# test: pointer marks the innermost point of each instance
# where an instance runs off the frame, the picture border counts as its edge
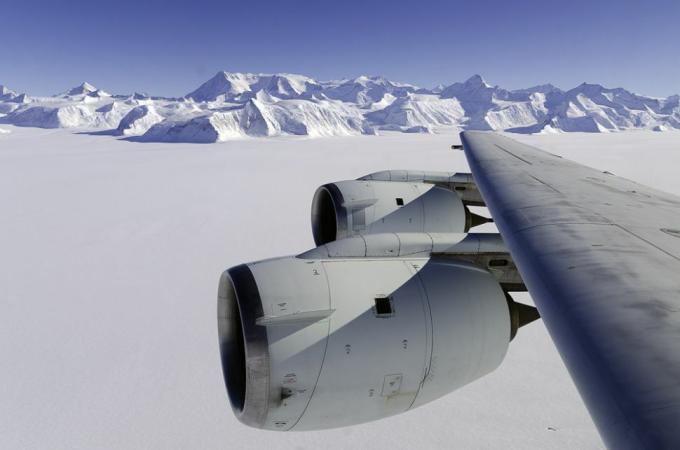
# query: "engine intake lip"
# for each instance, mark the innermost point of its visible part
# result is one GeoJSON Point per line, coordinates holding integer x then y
{"type": "Point", "coordinates": [329, 216]}
{"type": "Point", "coordinates": [243, 345]}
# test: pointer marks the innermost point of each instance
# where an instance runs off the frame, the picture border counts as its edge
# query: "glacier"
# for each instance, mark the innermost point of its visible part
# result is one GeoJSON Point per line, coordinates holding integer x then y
{"type": "Point", "coordinates": [243, 105]}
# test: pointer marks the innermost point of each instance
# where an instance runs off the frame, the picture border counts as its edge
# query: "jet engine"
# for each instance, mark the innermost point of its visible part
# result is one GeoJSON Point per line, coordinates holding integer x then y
{"type": "Point", "coordinates": [314, 342]}
{"type": "Point", "coordinates": [395, 307]}
{"type": "Point", "coordinates": [352, 207]}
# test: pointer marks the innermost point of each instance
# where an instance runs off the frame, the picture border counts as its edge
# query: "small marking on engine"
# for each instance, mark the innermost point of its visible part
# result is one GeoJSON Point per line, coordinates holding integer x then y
{"type": "Point", "coordinates": [290, 378]}
{"type": "Point", "coordinates": [391, 384]}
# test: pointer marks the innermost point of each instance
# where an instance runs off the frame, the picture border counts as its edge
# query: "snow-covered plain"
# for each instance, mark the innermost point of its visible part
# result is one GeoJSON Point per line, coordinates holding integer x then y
{"type": "Point", "coordinates": [111, 252]}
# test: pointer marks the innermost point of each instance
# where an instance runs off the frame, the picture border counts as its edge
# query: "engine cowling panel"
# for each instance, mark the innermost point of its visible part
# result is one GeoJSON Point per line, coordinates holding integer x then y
{"type": "Point", "coordinates": [321, 343]}
{"type": "Point", "coordinates": [352, 207]}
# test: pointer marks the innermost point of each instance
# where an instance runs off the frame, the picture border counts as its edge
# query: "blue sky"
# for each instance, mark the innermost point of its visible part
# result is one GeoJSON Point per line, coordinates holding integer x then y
{"type": "Point", "coordinates": [169, 47]}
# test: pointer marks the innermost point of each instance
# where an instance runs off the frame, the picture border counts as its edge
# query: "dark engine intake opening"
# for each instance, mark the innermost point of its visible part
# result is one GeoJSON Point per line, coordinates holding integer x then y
{"type": "Point", "coordinates": [232, 349]}
{"type": "Point", "coordinates": [324, 221]}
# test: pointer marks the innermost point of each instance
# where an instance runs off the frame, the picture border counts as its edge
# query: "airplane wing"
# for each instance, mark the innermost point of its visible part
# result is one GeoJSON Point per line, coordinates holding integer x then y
{"type": "Point", "coordinates": [600, 256]}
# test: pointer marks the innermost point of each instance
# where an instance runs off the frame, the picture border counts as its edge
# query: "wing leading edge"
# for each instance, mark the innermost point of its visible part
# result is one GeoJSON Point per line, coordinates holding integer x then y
{"type": "Point", "coordinates": [601, 258]}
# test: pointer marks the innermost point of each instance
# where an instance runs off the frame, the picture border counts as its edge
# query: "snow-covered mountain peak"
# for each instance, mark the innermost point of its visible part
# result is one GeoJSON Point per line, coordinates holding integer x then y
{"type": "Point", "coordinates": [616, 98]}
{"type": "Point", "coordinates": [235, 86]}
{"type": "Point", "coordinates": [593, 89]}
{"type": "Point", "coordinates": [232, 105]}
{"type": "Point", "coordinates": [589, 89]}
{"type": "Point", "coordinates": [474, 88]}
{"type": "Point", "coordinates": [476, 81]}
{"type": "Point", "coordinates": [20, 99]}
{"type": "Point", "coordinates": [4, 90]}
{"type": "Point", "coordinates": [368, 80]}
{"type": "Point", "coordinates": [365, 90]}
{"type": "Point", "coordinates": [83, 88]}
{"type": "Point", "coordinates": [476, 96]}
{"type": "Point", "coordinates": [364, 79]}
{"type": "Point", "coordinates": [232, 75]}
{"type": "Point", "coordinates": [223, 83]}
{"type": "Point", "coordinates": [6, 94]}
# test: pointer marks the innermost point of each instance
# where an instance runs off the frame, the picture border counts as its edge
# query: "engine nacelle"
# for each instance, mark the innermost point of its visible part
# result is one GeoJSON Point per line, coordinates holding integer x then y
{"type": "Point", "coordinates": [348, 208]}
{"type": "Point", "coordinates": [310, 343]}
{"type": "Point", "coordinates": [462, 183]}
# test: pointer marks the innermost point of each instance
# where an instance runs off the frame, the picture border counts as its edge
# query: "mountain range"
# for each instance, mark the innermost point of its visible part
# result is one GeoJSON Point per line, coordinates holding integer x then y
{"type": "Point", "coordinates": [238, 105]}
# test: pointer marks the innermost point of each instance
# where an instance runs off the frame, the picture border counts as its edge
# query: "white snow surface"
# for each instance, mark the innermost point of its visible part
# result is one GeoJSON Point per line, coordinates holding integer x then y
{"type": "Point", "coordinates": [240, 105]}
{"type": "Point", "coordinates": [111, 253]}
